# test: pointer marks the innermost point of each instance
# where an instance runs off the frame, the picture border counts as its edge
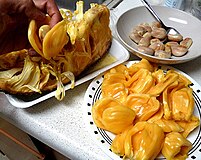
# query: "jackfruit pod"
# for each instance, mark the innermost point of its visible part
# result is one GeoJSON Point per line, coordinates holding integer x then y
{"type": "Point", "coordinates": [157, 116]}
{"type": "Point", "coordinates": [33, 37]}
{"type": "Point", "coordinates": [143, 64]}
{"type": "Point", "coordinates": [169, 125]}
{"type": "Point", "coordinates": [144, 141]}
{"type": "Point", "coordinates": [158, 76]}
{"type": "Point", "coordinates": [43, 30]}
{"type": "Point", "coordinates": [27, 81]}
{"type": "Point", "coordinates": [111, 115]}
{"type": "Point", "coordinates": [116, 90]}
{"type": "Point", "coordinates": [182, 104]}
{"type": "Point", "coordinates": [176, 146]}
{"type": "Point", "coordinates": [121, 69]}
{"type": "Point", "coordinates": [165, 100]}
{"type": "Point", "coordinates": [144, 105]}
{"type": "Point", "coordinates": [55, 40]}
{"type": "Point", "coordinates": [160, 87]}
{"type": "Point", "coordinates": [128, 144]}
{"type": "Point", "coordinates": [143, 83]}
{"type": "Point", "coordinates": [135, 77]}
{"type": "Point", "coordinates": [118, 142]}
{"type": "Point", "coordinates": [112, 78]}
{"type": "Point", "coordinates": [189, 126]}
{"type": "Point", "coordinates": [182, 79]}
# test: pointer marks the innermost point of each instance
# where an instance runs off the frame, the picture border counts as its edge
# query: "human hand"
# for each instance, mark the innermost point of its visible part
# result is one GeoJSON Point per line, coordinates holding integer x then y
{"type": "Point", "coordinates": [14, 20]}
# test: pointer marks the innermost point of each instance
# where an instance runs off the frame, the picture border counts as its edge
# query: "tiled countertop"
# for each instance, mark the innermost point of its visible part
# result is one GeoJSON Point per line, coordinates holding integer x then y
{"type": "Point", "coordinates": [60, 124]}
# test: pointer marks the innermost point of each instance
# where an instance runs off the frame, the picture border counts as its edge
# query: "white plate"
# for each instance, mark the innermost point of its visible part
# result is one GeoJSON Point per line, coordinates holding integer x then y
{"type": "Point", "coordinates": [185, 23]}
{"type": "Point", "coordinates": [117, 51]}
{"type": "Point", "coordinates": [104, 138]}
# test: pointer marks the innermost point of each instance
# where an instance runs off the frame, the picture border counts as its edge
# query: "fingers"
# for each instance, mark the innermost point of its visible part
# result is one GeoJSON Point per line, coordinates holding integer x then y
{"type": "Point", "coordinates": [33, 9]}
{"type": "Point", "coordinates": [49, 7]}
{"type": "Point", "coordinates": [54, 13]}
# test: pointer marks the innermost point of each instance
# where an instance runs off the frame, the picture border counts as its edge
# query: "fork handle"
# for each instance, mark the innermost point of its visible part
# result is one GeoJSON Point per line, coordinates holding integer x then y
{"type": "Point", "coordinates": [151, 10]}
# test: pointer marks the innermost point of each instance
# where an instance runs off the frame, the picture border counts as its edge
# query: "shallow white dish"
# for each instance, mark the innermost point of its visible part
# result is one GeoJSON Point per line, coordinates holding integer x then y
{"type": "Point", "coordinates": [104, 138]}
{"type": "Point", "coordinates": [117, 51]}
{"type": "Point", "coordinates": [185, 23]}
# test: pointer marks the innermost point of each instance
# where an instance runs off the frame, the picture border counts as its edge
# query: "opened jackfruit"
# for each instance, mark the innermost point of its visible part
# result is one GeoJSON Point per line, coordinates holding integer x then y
{"type": "Point", "coordinates": [60, 53]}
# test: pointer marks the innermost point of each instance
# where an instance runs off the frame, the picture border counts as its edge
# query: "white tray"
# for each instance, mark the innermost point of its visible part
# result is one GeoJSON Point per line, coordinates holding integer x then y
{"type": "Point", "coordinates": [117, 51]}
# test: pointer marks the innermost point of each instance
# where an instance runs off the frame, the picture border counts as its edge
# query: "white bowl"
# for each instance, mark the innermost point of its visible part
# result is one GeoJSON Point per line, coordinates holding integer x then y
{"type": "Point", "coordinates": [186, 24]}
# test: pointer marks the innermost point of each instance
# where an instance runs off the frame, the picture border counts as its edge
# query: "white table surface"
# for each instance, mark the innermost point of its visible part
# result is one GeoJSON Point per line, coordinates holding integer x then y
{"type": "Point", "coordinates": [61, 125]}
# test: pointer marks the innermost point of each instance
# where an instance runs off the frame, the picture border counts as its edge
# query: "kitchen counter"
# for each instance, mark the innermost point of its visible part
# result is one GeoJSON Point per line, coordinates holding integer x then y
{"type": "Point", "coordinates": [61, 125]}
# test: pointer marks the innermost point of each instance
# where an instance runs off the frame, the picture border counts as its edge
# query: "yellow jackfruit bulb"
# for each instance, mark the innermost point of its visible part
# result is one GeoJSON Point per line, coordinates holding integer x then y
{"type": "Point", "coordinates": [151, 140]}
{"type": "Point", "coordinates": [182, 104]}
{"type": "Point", "coordinates": [143, 64]}
{"type": "Point", "coordinates": [55, 40]}
{"type": "Point", "coordinates": [144, 105]}
{"type": "Point", "coordinates": [169, 125]}
{"type": "Point", "coordinates": [116, 90]}
{"type": "Point", "coordinates": [160, 87]}
{"type": "Point", "coordinates": [189, 126]}
{"type": "Point", "coordinates": [33, 37]}
{"type": "Point", "coordinates": [176, 146]}
{"type": "Point", "coordinates": [141, 81]}
{"type": "Point", "coordinates": [158, 76]}
{"type": "Point", "coordinates": [121, 69]}
{"type": "Point", "coordinates": [144, 141]}
{"type": "Point", "coordinates": [165, 100]}
{"type": "Point", "coordinates": [112, 78]}
{"type": "Point", "coordinates": [118, 142]}
{"type": "Point", "coordinates": [111, 115]}
{"type": "Point", "coordinates": [43, 30]}
{"type": "Point", "coordinates": [182, 78]}
{"type": "Point", "coordinates": [157, 116]}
